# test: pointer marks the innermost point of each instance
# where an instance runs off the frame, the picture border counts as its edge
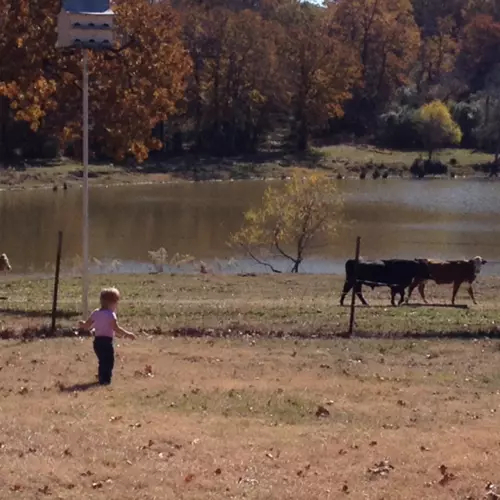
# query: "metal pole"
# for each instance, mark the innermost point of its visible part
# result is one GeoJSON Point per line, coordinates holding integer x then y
{"type": "Point", "coordinates": [56, 282]}
{"type": "Point", "coordinates": [353, 299]}
{"type": "Point", "coordinates": [85, 233]}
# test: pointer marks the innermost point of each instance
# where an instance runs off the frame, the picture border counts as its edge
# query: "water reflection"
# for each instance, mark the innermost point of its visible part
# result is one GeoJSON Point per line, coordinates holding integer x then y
{"type": "Point", "coordinates": [395, 218]}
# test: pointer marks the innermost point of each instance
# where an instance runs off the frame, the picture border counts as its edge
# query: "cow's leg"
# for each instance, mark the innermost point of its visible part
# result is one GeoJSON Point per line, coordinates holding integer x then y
{"type": "Point", "coordinates": [401, 291]}
{"type": "Point", "coordinates": [347, 287]}
{"type": "Point", "coordinates": [421, 291]}
{"type": "Point", "coordinates": [412, 287]}
{"type": "Point", "coordinates": [359, 293]}
{"type": "Point", "coordinates": [456, 286]}
{"type": "Point", "coordinates": [393, 296]}
{"type": "Point", "coordinates": [471, 293]}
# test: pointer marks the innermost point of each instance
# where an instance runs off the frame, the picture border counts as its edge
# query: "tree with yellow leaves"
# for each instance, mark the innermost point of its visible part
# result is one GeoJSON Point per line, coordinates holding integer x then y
{"type": "Point", "coordinates": [437, 127]}
{"type": "Point", "coordinates": [289, 220]}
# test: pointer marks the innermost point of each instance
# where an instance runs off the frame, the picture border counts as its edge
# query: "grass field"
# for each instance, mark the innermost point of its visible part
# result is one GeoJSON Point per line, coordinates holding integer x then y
{"type": "Point", "coordinates": [214, 401]}
{"type": "Point", "coordinates": [298, 305]}
{"type": "Point", "coordinates": [342, 159]}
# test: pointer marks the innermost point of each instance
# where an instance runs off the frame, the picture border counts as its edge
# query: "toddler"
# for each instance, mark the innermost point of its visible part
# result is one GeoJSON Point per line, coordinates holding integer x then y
{"type": "Point", "coordinates": [105, 326]}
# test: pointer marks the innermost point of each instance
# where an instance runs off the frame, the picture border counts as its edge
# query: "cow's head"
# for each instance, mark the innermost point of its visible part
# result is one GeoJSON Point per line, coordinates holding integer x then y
{"type": "Point", "coordinates": [4, 263]}
{"type": "Point", "coordinates": [478, 262]}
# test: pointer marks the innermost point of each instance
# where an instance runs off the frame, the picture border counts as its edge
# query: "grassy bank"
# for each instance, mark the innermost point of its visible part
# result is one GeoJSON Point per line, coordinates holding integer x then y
{"type": "Point", "coordinates": [255, 418]}
{"type": "Point", "coordinates": [272, 305]}
{"type": "Point", "coordinates": [343, 159]}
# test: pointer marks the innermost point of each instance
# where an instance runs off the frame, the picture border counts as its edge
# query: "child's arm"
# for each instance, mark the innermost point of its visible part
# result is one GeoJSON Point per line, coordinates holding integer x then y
{"type": "Point", "coordinates": [86, 325]}
{"type": "Point", "coordinates": [121, 331]}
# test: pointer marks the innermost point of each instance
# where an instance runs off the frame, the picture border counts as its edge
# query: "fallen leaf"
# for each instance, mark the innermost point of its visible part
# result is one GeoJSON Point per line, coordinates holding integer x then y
{"type": "Point", "coordinates": [373, 443]}
{"type": "Point", "coordinates": [322, 412]}
{"type": "Point", "coordinates": [446, 475]}
{"type": "Point", "coordinates": [381, 468]}
{"type": "Point", "coordinates": [218, 471]}
{"type": "Point", "coordinates": [345, 488]}
{"type": "Point", "coordinates": [189, 478]}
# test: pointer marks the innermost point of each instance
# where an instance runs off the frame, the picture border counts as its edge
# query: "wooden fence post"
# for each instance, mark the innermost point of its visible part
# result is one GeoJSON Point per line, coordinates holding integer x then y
{"type": "Point", "coordinates": [353, 299]}
{"type": "Point", "coordinates": [56, 282]}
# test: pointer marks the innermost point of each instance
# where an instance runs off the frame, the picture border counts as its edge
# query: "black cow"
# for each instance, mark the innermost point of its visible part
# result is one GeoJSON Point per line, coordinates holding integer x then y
{"type": "Point", "coordinates": [397, 274]}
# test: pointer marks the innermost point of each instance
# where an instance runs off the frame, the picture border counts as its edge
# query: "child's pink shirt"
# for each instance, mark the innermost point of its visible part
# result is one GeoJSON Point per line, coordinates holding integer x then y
{"type": "Point", "coordinates": [103, 321]}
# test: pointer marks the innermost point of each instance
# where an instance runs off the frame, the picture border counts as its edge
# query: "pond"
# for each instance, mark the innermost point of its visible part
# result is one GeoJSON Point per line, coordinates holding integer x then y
{"type": "Point", "coordinates": [436, 218]}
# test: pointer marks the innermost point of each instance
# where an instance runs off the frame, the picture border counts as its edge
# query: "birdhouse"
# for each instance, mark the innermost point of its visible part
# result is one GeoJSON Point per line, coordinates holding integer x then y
{"type": "Point", "coordinates": [85, 24]}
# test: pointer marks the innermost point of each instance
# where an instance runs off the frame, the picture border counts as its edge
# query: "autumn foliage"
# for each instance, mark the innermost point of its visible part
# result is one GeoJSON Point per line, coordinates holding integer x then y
{"type": "Point", "coordinates": [291, 218]}
{"type": "Point", "coordinates": [437, 127]}
{"type": "Point", "coordinates": [223, 76]}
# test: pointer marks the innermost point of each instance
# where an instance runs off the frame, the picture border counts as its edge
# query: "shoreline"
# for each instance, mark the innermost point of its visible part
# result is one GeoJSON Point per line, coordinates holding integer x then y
{"type": "Point", "coordinates": [137, 180]}
{"type": "Point", "coordinates": [342, 162]}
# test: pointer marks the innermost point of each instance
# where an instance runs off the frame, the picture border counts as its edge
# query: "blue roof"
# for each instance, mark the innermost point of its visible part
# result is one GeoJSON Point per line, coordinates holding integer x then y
{"type": "Point", "coordinates": [86, 5]}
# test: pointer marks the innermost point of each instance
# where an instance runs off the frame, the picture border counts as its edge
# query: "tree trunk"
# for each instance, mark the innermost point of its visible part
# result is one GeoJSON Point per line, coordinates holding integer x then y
{"type": "Point", "coordinates": [296, 265]}
{"type": "Point", "coordinates": [302, 134]}
{"type": "Point", "coordinates": [4, 123]}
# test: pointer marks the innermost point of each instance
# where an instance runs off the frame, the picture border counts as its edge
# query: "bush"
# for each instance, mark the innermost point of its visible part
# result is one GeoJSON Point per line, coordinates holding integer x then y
{"type": "Point", "coordinates": [468, 117]}
{"type": "Point", "coordinates": [397, 129]}
{"type": "Point", "coordinates": [420, 168]}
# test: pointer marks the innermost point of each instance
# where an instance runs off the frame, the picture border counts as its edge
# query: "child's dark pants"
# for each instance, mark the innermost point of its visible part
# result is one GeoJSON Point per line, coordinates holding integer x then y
{"type": "Point", "coordinates": [104, 350]}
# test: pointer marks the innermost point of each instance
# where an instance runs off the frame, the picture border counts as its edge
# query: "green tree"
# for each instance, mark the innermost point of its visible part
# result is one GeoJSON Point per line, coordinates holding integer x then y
{"type": "Point", "coordinates": [436, 127]}
{"type": "Point", "coordinates": [290, 219]}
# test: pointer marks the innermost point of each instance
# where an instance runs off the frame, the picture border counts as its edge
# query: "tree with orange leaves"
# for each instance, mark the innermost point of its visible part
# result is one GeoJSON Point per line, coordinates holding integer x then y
{"type": "Point", "coordinates": [320, 70]}
{"type": "Point", "coordinates": [131, 89]}
{"type": "Point", "coordinates": [235, 83]}
{"type": "Point", "coordinates": [479, 52]}
{"type": "Point", "coordinates": [386, 38]}
{"type": "Point", "coordinates": [438, 53]}
{"type": "Point", "coordinates": [27, 42]}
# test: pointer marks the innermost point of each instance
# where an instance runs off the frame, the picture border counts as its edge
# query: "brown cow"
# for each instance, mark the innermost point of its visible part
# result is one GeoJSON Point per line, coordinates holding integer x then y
{"type": "Point", "coordinates": [450, 271]}
{"type": "Point", "coordinates": [4, 263]}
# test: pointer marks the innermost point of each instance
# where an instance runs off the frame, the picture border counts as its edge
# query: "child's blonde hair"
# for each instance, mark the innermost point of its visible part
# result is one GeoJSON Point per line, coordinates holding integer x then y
{"type": "Point", "coordinates": [109, 296]}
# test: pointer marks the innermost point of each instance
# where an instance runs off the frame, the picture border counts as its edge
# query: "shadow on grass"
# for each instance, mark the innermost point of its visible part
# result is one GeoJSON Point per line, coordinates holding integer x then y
{"type": "Point", "coordinates": [245, 332]}
{"type": "Point", "coordinates": [38, 314]}
{"type": "Point", "coordinates": [243, 166]}
{"type": "Point", "coordinates": [80, 387]}
{"type": "Point", "coordinates": [411, 306]}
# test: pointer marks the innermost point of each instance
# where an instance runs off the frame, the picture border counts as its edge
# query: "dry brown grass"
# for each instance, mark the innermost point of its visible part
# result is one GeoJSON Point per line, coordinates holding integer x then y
{"type": "Point", "coordinates": [236, 417]}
